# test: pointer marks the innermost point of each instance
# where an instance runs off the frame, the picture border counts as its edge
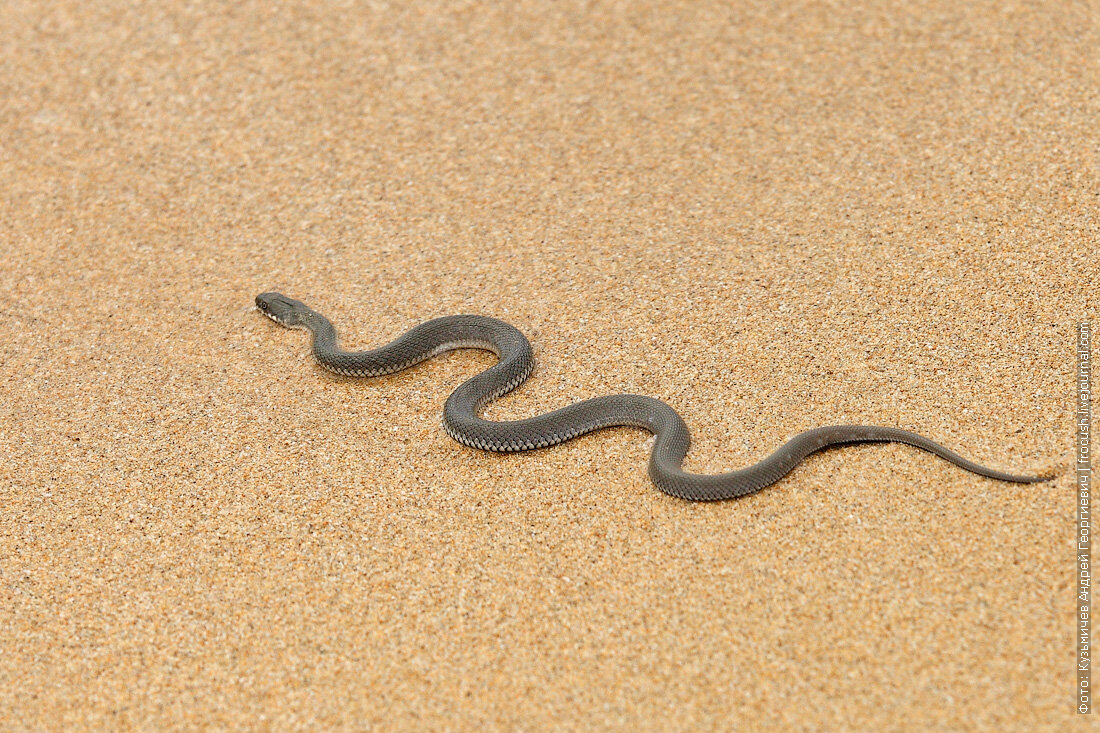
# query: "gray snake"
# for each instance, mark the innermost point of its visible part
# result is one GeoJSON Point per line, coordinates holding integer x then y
{"type": "Point", "coordinates": [515, 363]}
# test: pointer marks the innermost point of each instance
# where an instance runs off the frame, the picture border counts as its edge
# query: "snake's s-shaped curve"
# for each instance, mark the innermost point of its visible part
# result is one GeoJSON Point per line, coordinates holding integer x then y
{"type": "Point", "coordinates": [461, 420]}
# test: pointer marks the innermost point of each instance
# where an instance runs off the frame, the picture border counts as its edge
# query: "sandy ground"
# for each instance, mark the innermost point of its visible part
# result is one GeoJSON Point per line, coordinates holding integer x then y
{"type": "Point", "coordinates": [772, 216]}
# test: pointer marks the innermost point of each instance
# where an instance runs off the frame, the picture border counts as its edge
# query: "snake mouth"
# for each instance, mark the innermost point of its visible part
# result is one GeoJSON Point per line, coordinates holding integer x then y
{"type": "Point", "coordinates": [266, 312]}
{"type": "Point", "coordinates": [284, 324]}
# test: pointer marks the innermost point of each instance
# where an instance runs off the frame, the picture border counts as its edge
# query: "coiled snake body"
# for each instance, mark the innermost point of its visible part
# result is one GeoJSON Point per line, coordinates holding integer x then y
{"type": "Point", "coordinates": [461, 420]}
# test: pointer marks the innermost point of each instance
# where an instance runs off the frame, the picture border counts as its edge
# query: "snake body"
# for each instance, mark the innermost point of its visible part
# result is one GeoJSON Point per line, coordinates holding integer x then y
{"type": "Point", "coordinates": [515, 363]}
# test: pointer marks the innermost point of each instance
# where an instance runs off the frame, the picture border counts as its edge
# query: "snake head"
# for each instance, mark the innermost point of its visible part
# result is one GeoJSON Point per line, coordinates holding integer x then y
{"type": "Point", "coordinates": [281, 309]}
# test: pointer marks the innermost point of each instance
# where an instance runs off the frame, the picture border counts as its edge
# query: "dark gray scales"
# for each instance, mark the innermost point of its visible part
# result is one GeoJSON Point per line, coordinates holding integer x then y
{"type": "Point", "coordinates": [462, 421]}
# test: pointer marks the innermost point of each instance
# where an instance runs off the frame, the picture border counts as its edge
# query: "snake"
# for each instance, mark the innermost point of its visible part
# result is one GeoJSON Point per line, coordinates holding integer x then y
{"type": "Point", "coordinates": [515, 363]}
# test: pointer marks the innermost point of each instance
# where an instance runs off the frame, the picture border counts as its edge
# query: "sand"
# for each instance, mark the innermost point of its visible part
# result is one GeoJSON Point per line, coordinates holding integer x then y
{"type": "Point", "coordinates": [772, 217]}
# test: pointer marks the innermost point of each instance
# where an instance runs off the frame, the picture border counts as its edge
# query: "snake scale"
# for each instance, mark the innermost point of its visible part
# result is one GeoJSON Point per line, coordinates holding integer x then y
{"type": "Point", "coordinates": [515, 363]}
